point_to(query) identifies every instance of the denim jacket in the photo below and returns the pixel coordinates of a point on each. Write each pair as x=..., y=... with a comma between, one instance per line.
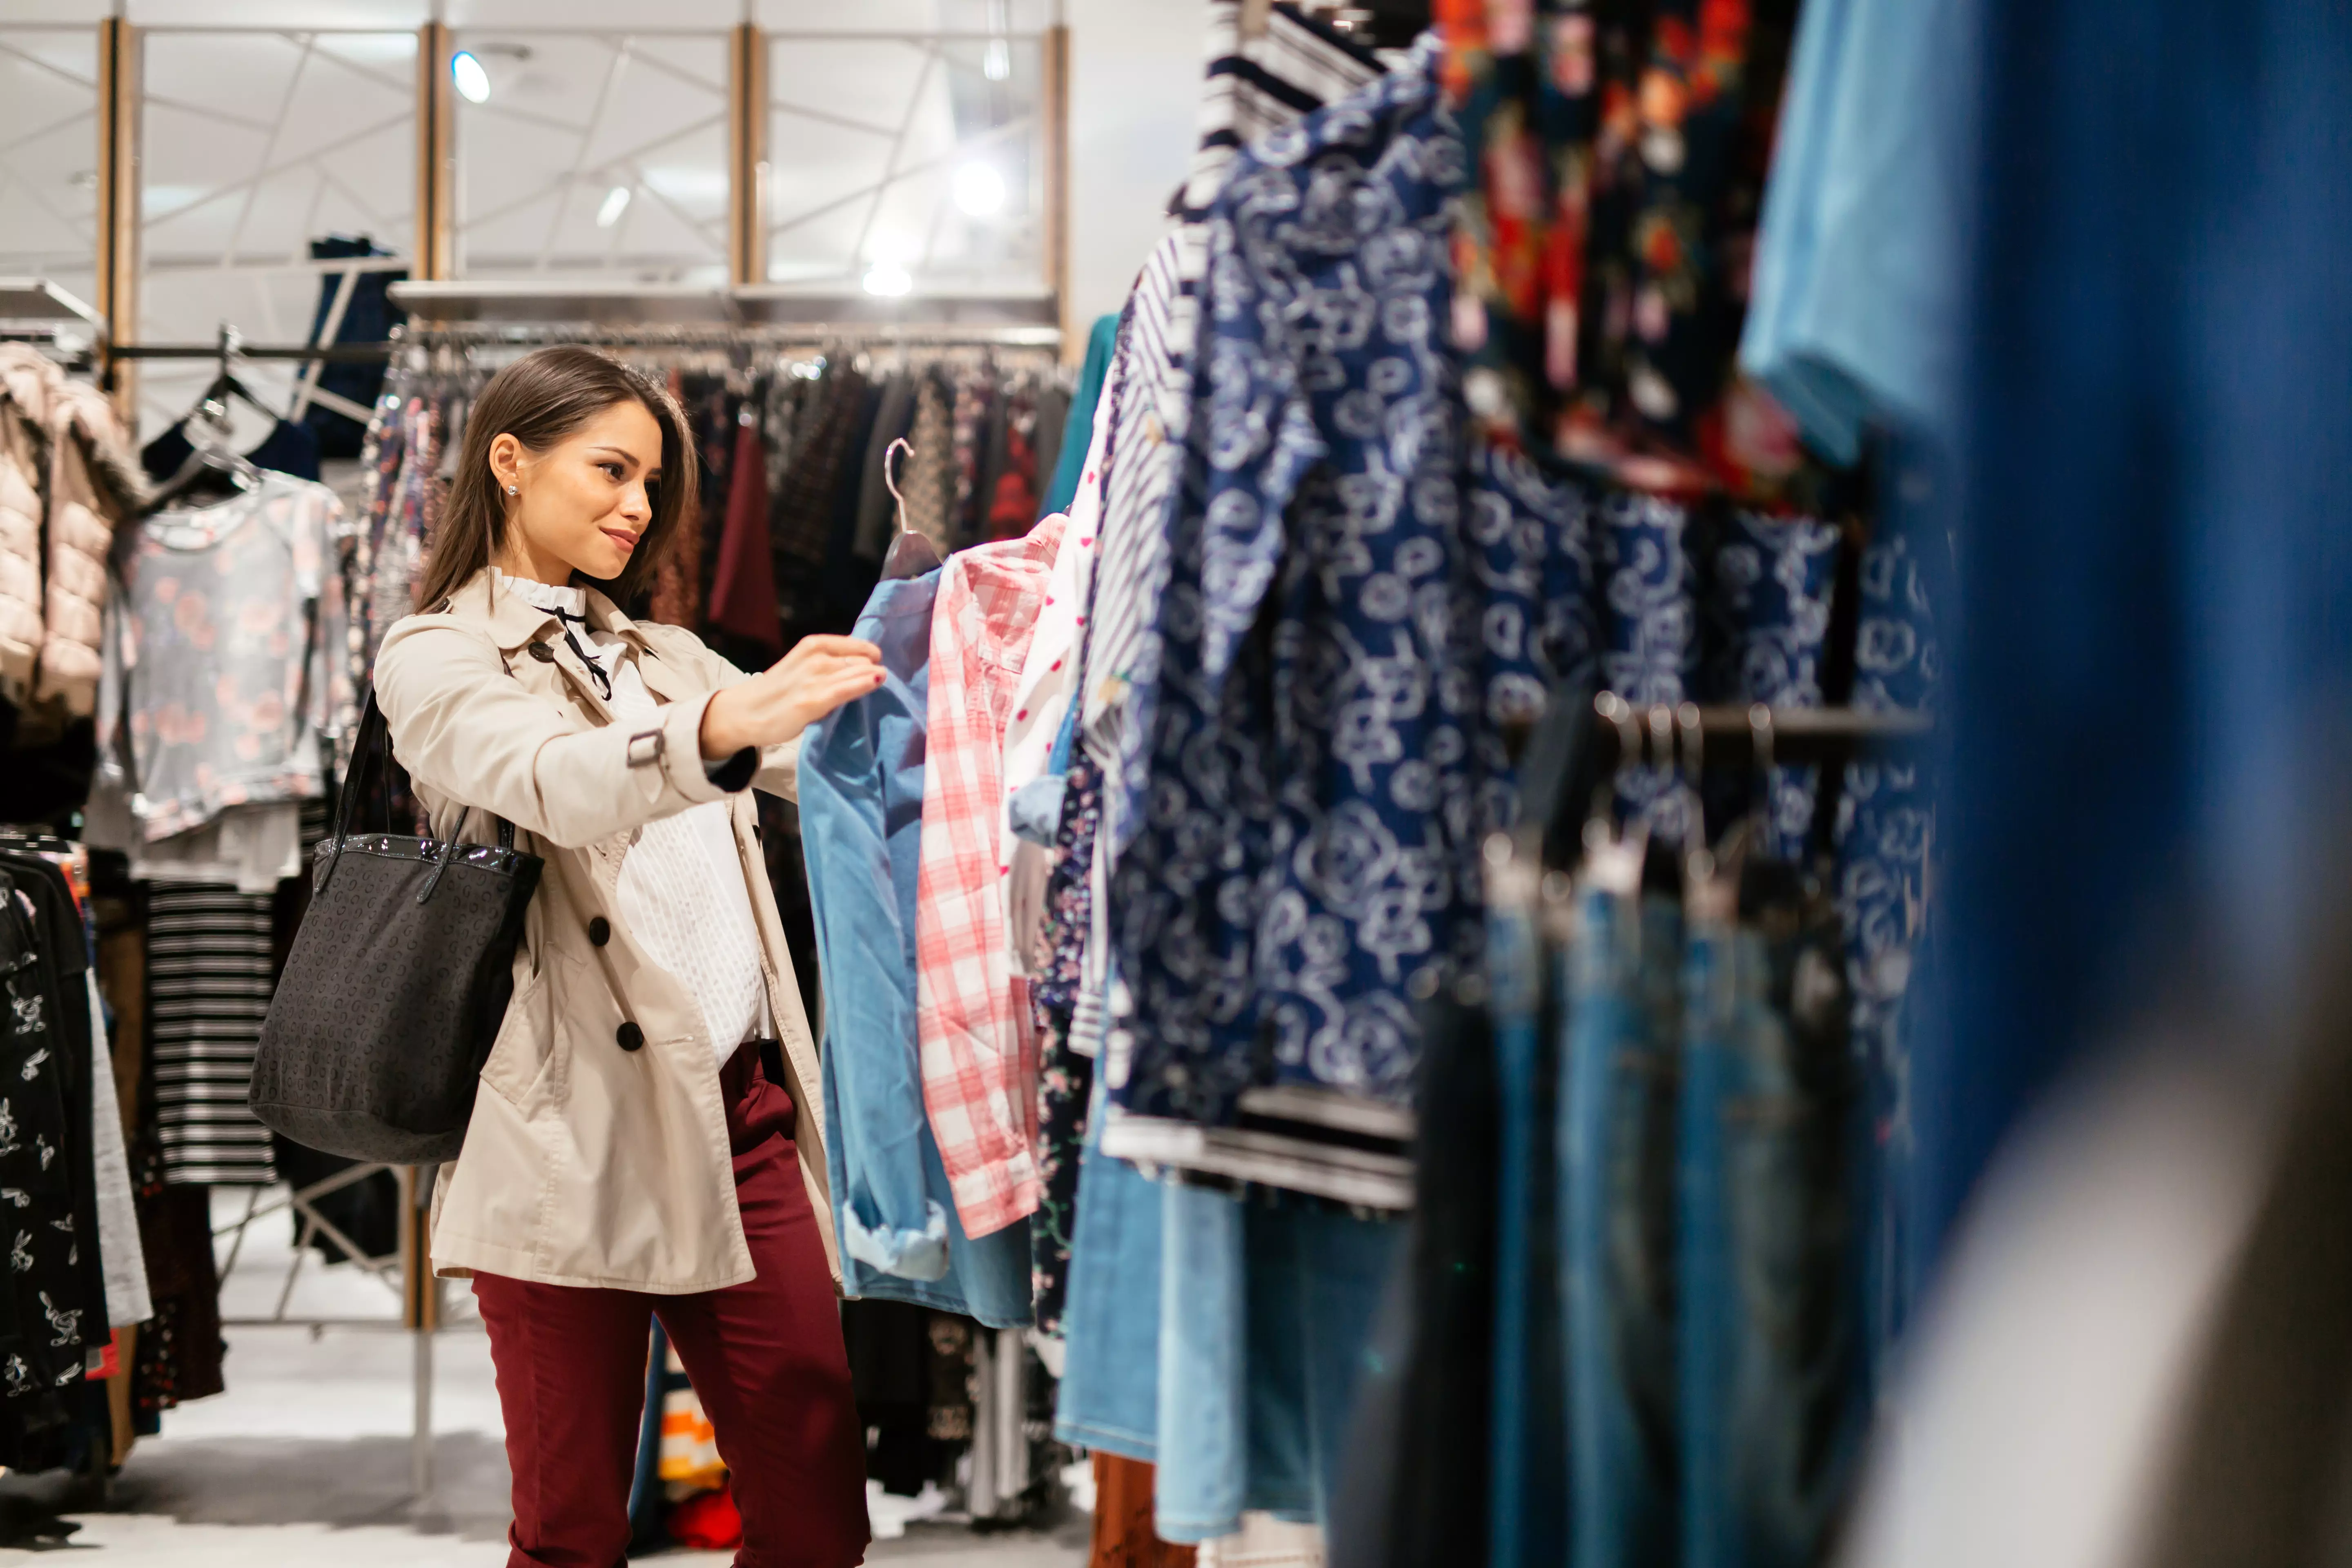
x=861, y=805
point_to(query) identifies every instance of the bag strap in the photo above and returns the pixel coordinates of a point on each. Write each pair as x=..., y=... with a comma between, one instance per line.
x=373, y=745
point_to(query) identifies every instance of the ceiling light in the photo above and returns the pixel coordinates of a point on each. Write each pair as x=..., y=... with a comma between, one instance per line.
x=997, y=61
x=980, y=189
x=473, y=81
x=616, y=202
x=888, y=277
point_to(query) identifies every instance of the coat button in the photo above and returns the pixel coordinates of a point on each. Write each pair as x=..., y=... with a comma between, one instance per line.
x=541, y=652
x=629, y=1036
x=600, y=931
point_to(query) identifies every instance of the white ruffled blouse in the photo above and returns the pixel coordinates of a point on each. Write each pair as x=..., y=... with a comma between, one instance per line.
x=681, y=890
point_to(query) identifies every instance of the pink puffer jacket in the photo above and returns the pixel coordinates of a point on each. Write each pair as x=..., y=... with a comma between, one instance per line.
x=67, y=475
x=24, y=420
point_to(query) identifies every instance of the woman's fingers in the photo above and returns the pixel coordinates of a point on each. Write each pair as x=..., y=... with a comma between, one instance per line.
x=811, y=648
x=822, y=696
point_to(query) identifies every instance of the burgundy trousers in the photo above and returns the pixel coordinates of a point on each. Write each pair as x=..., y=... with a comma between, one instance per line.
x=766, y=1358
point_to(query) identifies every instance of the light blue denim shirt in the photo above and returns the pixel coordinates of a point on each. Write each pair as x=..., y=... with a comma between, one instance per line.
x=861, y=786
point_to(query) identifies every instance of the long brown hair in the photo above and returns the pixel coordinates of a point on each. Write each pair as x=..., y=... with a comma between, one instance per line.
x=539, y=400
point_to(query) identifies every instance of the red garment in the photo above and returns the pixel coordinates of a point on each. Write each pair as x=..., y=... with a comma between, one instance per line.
x=1123, y=1535
x=707, y=1521
x=766, y=1357
x=972, y=1011
x=744, y=595
x=1014, y=505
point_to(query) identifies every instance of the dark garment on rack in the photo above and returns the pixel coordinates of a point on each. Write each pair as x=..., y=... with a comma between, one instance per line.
x=1013, y=495
x=1617, y=1139
x=1773, y=1396
x=53, y=1305
x=369, y=317
x=877, y=513
x=927, y=480
x=44, y=767
x=743, y=592
x=1066, y=1079
x=993, y=452
x=711, y=412
x=847, y=579
x=1529, y=1514
x=289, y=449
x=1413, y=1490
x=975, y=401
x=800, y=515
x=891, y=1369
x=208, y=960
x=780, y=849
x=677, y=598
x=180, y=1349
x=1053, y=413
x=824, y=463
x=178, y=1352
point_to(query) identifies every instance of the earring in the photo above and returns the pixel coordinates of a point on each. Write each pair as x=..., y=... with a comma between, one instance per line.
x=514, y=489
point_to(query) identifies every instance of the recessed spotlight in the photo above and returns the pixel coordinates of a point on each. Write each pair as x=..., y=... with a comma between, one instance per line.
x=473, y=81
x=980, y=189
x=616, y=202
x=888, y=277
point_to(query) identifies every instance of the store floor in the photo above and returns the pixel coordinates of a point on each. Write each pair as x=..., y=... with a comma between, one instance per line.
x=305, y=1460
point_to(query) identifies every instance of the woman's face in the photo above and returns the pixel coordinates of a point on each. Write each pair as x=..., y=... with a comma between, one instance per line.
x=582, y=504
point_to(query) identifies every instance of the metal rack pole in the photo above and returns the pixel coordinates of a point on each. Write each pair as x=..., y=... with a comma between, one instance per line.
x=421, y=1298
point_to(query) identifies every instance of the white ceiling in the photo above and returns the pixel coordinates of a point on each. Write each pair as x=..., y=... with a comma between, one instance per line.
x=256, y=141
x=809, y=16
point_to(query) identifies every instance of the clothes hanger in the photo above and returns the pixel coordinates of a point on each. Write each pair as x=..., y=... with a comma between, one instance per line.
x=34, y=841
x=911, y=554
x=225, y=385
x=210, y=458
x=1614, y=853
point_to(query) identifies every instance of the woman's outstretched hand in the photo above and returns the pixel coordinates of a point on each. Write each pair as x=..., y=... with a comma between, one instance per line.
x=818, y=676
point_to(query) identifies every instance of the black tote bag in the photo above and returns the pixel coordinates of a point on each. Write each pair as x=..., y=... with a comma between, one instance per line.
x=396, y=985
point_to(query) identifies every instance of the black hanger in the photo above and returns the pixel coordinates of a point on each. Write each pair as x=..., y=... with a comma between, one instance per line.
x=211, y=460
x=210, y=456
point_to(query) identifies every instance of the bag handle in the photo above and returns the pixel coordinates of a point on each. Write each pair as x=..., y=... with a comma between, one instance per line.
x=372, y=746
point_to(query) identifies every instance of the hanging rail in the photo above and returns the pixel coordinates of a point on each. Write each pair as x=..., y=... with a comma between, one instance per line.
x=1732, y=735
x=750, y=334
x=458, y=334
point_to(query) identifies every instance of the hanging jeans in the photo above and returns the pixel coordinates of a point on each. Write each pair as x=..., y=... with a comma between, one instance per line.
x=1267, y=1313
x=1617, y=1139
x=1772, y=1352
x=1527, y=1510
x=1109, y=1394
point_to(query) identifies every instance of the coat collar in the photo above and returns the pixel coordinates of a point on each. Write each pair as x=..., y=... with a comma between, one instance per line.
x=514, y=620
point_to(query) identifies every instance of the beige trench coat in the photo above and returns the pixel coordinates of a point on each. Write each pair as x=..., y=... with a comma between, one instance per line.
x=585, y=1163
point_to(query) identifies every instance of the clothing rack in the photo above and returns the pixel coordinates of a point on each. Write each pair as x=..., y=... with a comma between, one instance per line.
x=1688, y=735
x=325, y=353
x=36, y=311
x=753, y=334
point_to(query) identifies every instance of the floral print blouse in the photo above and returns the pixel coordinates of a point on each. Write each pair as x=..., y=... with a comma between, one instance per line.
x=218, y=682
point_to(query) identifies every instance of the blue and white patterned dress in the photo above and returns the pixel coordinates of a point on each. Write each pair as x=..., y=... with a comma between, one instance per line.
x=1311, y=816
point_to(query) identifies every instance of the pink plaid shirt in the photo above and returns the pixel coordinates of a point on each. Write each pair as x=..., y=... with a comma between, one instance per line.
x=972, y=1009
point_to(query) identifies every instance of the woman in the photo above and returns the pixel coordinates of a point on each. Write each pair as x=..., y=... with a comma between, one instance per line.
x=628, y=1152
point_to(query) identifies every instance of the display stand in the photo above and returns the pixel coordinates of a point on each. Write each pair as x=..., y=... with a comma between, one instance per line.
x=407, y=1277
